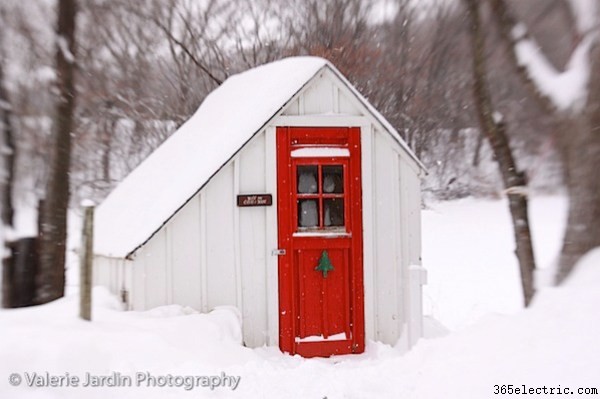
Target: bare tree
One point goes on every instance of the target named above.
(53, 234)
(576, 110)
(191, 31)
(435, 90)
(337, 30)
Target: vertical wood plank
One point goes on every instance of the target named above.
(237, 238)
(221, 267)
(184, 233)
(252, 226)
(203, 253)
(369, 266)
(401, 239)
(271, 239)
(387, 268)
(336, 98)
(301, 104)
(169, 262)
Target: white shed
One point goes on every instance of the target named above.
(286, 195)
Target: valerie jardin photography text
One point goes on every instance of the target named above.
(117, 379)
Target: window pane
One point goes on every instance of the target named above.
(334, 212)
(307, 179)
(333, 179)
(308, 213)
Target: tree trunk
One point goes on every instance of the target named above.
(513, 180)
(8, 155)
(53, 234)
(582, 162)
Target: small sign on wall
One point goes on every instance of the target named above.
(255, 200)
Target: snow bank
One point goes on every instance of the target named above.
(468, 250)
(554, 343)
(168, 339)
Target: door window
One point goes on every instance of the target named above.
(320, 197)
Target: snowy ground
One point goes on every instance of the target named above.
(467, 248)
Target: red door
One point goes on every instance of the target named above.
(320, 238)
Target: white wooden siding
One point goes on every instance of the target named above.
(184, 236)
(252, 243)
(414, 272)
(137, 289)
(112, 273)
(214, 253)
(347, 107)
(387, 225)
(154, 260)
(221, 278)
(318, 97)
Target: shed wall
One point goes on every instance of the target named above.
(203, 254)
(114, 274)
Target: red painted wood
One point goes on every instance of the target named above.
(286, 294)
(324, 349)
(310, 304)
(357, 243)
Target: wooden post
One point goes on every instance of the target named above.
(87, 254)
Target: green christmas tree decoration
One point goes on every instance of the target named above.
(324, 264)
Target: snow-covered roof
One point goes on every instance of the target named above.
(227, 119)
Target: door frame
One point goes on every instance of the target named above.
(286, 139)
